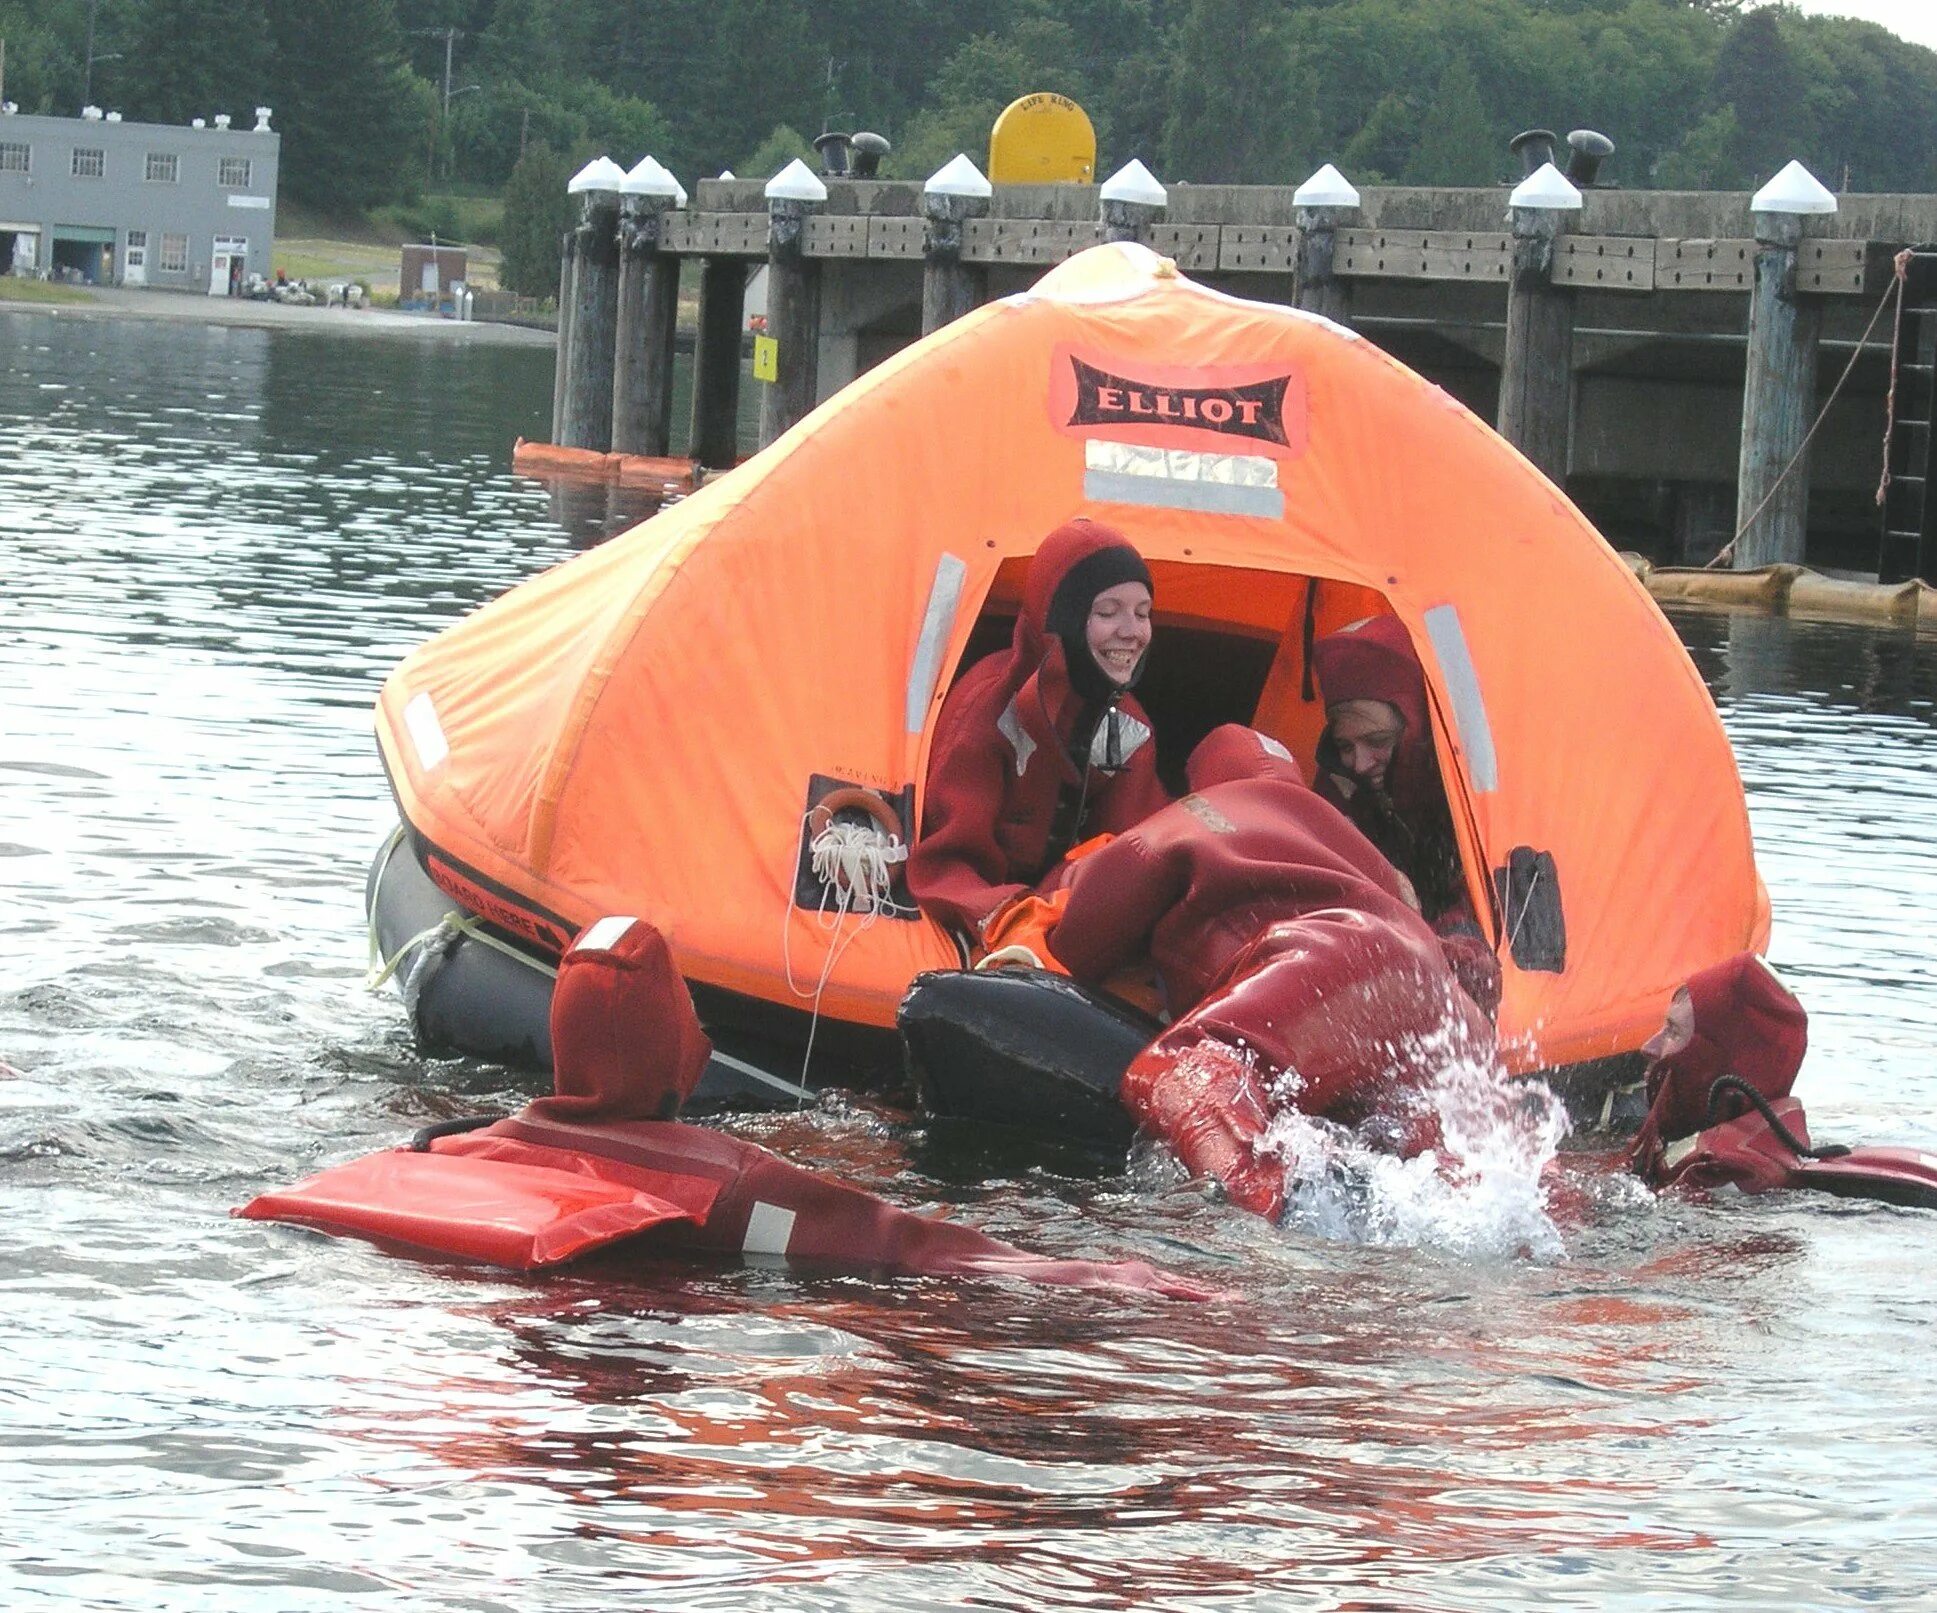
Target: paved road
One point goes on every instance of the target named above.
(122, 303)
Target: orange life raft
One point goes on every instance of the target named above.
(647, 728)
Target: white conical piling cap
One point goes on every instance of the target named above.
(796, 183)
(1134, 183)
(601, 173)
(649, 177)
(728, 173)
(1794, 190)
(1546, 187)
(958, 177)
(1326, 188)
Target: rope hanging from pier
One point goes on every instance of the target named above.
(1895, 289)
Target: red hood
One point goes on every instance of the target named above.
(1746, 1024)
(1233, 752)
(1373, 659)
(626, 1044)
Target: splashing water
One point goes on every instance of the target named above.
(1480, 1193)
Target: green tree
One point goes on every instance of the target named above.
(780, 147)
(1455, 142)
(1231, 120)
(181, 76)
(1756, 74)
(356, 122)
(537, 212)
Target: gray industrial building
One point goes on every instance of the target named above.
(138, 204)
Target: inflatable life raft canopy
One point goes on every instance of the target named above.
(645, 728)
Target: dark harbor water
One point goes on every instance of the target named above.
(213, 544)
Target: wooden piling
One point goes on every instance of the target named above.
(1126, 220)
(1537, 376)
(587, 420)
(561, 364)
(648, 311)
(1316, 287)
(716, 363)
(950, 288)
(793, 317)
(1778, 401)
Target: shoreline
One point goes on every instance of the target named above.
(178, 307)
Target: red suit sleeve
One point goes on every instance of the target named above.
(957, 871)
(1116, 897)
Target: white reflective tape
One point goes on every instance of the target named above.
(1463, 688)
(1181, 479)
(769, 1230)
(426, 732)
(943, 596)
(604, 935)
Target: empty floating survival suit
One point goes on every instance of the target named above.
(601, 1160)
(1290, 956)
(1720, 1111)
(1035, 749)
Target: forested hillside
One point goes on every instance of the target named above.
(1695, 92)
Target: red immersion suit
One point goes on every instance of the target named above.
(628, 1050)
(1001, 772)
(1746, 1025)
(1406, 816)
(1276, 928)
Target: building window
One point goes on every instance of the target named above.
(174, 254)
(137, 240)
(16, 157)
(164, 168)
(90, 162)
(233, 173)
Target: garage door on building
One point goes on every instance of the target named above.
(19, 248)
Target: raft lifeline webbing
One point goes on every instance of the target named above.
(450, 927)
(855, 865)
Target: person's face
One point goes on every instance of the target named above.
(1366, 733)
(1118, 631)
(1677, 1030)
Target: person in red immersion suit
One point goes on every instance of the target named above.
(1734, 1019)
(1042, 747)
(1377, 764)
(628, 1050)
(1287, 949)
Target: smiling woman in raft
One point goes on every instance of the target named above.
(1045, 746)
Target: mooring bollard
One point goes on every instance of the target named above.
(955, 193)
(561, 364)
(716, 363)
(1325, 203)
(1779, 386)
(1129, 202)
(648, 310)
(587, 421)
(793, 299)
(1537, 375)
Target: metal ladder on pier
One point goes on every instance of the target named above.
(1907, 545)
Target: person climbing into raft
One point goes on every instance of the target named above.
(628, 1051)
(1300, 973)
(1377, 764)
(1720, 1109)
(1044, 746)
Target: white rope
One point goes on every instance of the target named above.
(448, 928)
(854, 864)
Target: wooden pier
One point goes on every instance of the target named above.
(1663, 355)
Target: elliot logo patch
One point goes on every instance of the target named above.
(1255, 410)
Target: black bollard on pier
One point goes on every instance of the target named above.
(648, 312)
(950, 288)
(1537, 374)
(1779, 385)
(587, 418)
(793, 299)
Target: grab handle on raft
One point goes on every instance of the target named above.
(424, 1136)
